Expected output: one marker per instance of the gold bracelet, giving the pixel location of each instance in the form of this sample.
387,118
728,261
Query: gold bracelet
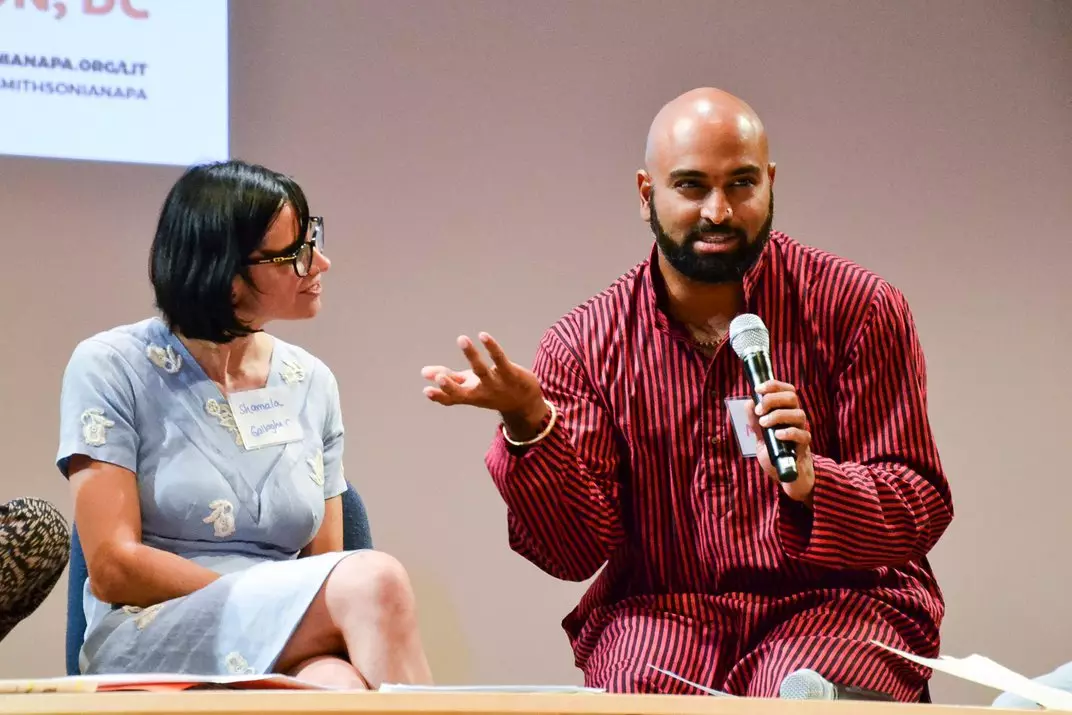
546,430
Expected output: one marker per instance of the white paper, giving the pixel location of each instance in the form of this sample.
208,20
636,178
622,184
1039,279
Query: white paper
89,683
266,416
701,688
980,669
561,689
740,408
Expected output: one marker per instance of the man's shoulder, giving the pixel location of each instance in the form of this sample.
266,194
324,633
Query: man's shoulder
835,280
604,313
841,299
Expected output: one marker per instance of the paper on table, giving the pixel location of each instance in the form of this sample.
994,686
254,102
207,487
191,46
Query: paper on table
559,689
701,688
982,670
151,681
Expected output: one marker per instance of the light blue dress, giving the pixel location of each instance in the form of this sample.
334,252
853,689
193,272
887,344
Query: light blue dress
133,396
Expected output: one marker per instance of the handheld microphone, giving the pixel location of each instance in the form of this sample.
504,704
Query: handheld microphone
751,341
805,684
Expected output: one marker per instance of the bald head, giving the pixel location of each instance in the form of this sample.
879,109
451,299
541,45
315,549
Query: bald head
704,118
707,189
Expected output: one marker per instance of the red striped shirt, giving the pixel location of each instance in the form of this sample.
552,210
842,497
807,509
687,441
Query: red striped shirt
711,571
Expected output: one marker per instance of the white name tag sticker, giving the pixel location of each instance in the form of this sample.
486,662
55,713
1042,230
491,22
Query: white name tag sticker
266,417
740,408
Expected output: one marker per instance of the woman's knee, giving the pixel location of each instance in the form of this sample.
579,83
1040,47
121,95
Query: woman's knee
374,582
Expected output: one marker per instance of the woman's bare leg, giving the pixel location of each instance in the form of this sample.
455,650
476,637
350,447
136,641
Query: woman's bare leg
367,611
331,671
370,597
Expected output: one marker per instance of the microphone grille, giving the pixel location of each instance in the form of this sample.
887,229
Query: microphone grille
748,334
805,684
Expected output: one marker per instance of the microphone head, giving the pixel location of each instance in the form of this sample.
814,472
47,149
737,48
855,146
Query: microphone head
748,334
805,684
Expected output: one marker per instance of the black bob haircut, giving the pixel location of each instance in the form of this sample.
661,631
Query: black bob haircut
213,218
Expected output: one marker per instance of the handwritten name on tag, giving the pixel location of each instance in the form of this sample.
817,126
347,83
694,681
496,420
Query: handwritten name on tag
266,417
739,408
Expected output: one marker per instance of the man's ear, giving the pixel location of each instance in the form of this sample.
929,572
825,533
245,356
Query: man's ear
644,189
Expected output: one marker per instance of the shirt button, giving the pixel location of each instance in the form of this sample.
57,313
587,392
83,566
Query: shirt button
716,440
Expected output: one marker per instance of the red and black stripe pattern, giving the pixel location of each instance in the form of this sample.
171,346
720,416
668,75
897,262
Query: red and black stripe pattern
710,571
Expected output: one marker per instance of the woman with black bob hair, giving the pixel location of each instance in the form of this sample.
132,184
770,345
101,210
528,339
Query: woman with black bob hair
205,460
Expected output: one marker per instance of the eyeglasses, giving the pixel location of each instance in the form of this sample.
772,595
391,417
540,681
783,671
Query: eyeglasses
302,257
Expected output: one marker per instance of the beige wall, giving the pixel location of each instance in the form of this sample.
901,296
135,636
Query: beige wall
474,161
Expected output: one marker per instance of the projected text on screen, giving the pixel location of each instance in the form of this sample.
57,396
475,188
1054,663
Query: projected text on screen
140,81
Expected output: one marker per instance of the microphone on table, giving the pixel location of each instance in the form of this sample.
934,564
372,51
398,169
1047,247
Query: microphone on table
751,341
805,684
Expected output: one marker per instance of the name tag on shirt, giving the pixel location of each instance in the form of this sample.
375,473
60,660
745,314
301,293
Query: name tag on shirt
739,408
266,417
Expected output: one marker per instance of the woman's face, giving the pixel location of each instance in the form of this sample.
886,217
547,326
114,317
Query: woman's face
280,293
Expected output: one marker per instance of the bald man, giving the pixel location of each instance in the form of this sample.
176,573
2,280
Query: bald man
626,446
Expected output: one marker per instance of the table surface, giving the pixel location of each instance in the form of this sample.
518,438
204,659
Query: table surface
292,702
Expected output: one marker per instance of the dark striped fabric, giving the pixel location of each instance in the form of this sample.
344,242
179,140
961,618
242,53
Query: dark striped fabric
711,571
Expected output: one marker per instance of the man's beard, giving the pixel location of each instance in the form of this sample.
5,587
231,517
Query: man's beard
711,267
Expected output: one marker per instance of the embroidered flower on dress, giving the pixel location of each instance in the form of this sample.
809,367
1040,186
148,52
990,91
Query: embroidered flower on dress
165,358
95,426
236,664
221,518
222,412
316,464
292,372
146,615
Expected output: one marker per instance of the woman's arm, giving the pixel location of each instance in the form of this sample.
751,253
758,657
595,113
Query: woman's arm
122,570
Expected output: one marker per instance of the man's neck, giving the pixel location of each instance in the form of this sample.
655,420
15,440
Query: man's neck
707,306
